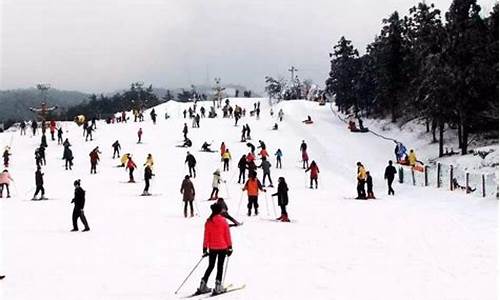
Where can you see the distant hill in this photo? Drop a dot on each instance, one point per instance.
(14, 104)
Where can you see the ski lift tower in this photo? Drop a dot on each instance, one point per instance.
(43, 109)
(219, 92)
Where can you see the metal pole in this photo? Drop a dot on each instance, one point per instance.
(196, 266)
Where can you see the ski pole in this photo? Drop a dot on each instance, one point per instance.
(274, 205)
(267, 204)
(196, 266)
(196, 207)
(239, 204)
(225, 271)
(227, 191)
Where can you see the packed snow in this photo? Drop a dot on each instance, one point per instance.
(422, 243)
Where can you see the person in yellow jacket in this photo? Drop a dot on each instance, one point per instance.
(226, 157)
(124, 159)
(361, 181)
(412, 158)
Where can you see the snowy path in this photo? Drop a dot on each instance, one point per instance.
(421, 244)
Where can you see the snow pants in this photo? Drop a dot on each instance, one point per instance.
(78, 213)
(192, 171)
(389, 185)
(116, 152)
(226, 164)
(268, 175)
(278, 162)
(215, 193)
(242, 176)
(252, 201)
(190, 208)
(146, 187)
(361, 189)
(315, 180)
(39, 188)
(213, 255)
(1, 189)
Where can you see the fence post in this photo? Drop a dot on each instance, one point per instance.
(439, 175)
(483, 184)
(426, 176)
(413, 176)
(451, 177)
(401, 175)
(467, 190)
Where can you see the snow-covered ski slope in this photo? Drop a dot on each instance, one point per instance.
(421, 244)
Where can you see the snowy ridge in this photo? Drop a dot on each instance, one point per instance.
(421, 244)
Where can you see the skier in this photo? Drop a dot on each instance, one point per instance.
(39, 184)
(215, 185)
(278, 155)
(79, 201)
(248, 133)
(41, 153)
(153, 116)
(185, 131)
(282, 194)
(224, 212)
(94, 158)
(222, 149)
(5, 180)
(305, 157)
(206, 147)
(252, 186)
(369, 186)
(242, 165)
(149, 161)
(275, 126)
(216, 245)
(390, 172)
(52, 129)
(131, 167)
(38, 159)
(202, 110)
(59, 136)
(148, 174)
(266, 169)
(43, 141)
(314, 174)
(281, 114)
(308, 120)
(191, 161)
(23, 127)
(67, 154)
(116, 149)
(139, 135)
(188, 193)
(89, 133)
(184, 113)
(187, 143)
(34, 126)
(6, 155)
(243, 134)
(226, 157)
(361, 176)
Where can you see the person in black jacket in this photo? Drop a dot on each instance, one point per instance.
(282, 194)
(79, 201)
(148, 174)
(369, 186)
(389, 174)
(39, 184)
(116, 149)
(242, 166)
(191, 161)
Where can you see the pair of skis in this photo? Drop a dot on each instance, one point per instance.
(228, 289)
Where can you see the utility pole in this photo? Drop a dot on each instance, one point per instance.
(292, 70)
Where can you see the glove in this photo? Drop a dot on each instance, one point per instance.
(229, 251)
(205, 252)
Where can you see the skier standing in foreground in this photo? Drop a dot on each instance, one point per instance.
(282, 194)
(79, 201)
(252, 186)
(216, 245)
(390, 172)
(39, 184)
(188, 192)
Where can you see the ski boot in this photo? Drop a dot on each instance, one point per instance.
(256, 211)
(218, 288)
(249, 212)
(203, 289)
(284, 218)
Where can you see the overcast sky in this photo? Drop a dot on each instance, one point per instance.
(103, 45)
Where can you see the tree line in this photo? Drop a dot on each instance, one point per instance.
(440, 70)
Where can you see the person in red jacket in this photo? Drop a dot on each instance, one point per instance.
(94, 158)
(314, 173)
(131, 167)
(252, 186)
(216, 245)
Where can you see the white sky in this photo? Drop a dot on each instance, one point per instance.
(103, 45)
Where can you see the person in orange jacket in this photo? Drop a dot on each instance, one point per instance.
(252, 186)
(217, 245)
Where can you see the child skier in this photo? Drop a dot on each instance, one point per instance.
(188, 193)
(6, 154)
(314, 174)
(282, 194)
(252, 186)
(278, 155)
(216, 245)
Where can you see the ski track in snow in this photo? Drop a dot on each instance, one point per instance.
(423, 243)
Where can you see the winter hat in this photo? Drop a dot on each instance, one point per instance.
(77, 182)
(187, 177)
